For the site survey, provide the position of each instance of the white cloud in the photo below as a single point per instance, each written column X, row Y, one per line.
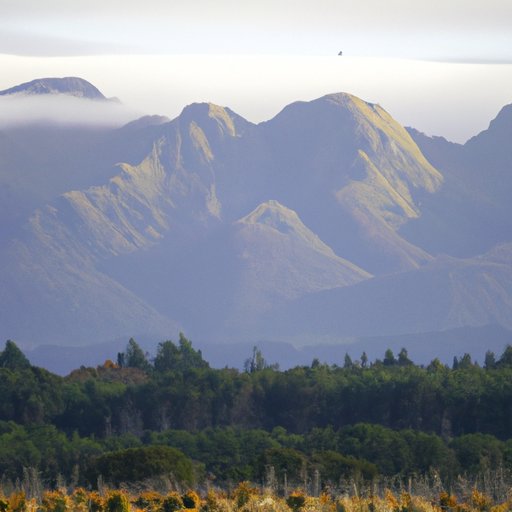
column 62, row 109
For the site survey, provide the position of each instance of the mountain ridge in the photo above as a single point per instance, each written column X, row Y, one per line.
column 472, row 211
column 227, row 229
column 71, row 86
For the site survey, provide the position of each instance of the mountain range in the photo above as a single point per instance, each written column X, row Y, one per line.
column 330, row 222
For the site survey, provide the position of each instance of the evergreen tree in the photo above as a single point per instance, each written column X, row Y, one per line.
column 465, row 362
column 167, row 356
column 134, row 356
column 12, row 357
column 184, row 357
column 490, row 360
column 389, row 358
column 190, row 358
column 506, row 357
column 403, row 358
column 121, row 359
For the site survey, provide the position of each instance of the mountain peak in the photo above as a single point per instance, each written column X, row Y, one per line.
column 281, row 259
column 272, row 215
column 220, row 120
column 71, row 86
column 341, row 101
column 340, row 97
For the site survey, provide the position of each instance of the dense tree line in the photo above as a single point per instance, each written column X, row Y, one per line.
column 231, row 454
column 386, row 417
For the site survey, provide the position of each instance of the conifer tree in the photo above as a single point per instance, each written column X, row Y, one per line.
column 12, row 357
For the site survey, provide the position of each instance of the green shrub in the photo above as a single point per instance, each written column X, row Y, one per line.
column 296, row 500
column 117, row 501
column 190, row 499
column 172, row 502
column 137, row 464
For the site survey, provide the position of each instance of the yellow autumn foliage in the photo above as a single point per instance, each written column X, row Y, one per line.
column 245, row 498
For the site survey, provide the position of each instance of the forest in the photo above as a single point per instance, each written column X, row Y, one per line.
column 136, row 417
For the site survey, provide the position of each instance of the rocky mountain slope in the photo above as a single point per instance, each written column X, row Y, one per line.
column 448, row 293
column 473, row 211
column 326, row 219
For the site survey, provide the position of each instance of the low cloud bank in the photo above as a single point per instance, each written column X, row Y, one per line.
column 63, row 109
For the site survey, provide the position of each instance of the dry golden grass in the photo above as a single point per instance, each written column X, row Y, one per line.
column 244, row 498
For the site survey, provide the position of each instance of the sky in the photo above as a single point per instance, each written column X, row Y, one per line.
column 444, row 67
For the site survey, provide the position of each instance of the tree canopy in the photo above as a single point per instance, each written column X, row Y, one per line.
column 383, row 417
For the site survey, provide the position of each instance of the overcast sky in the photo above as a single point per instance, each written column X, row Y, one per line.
column 468, row 30
column 426, row 62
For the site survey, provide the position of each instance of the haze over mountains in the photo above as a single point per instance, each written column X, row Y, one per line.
column 328, row 222
column 67, row 101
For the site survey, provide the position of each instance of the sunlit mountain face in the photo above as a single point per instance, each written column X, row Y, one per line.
column 330, row 221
